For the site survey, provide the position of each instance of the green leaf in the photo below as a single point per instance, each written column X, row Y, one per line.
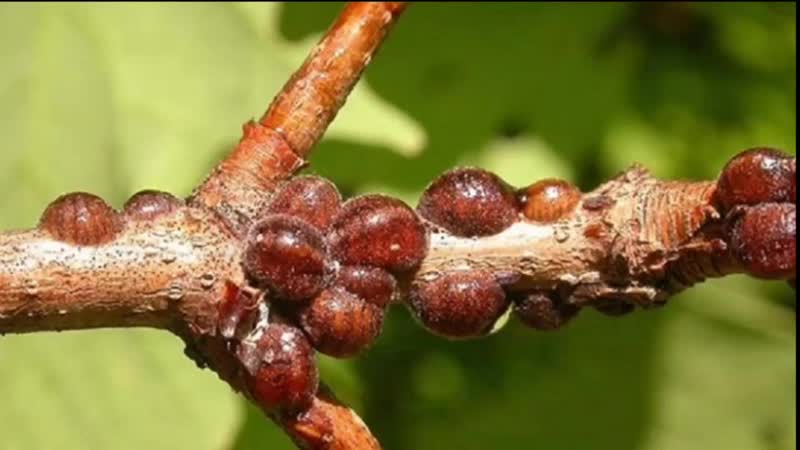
column 122, row 389
column 728, row 365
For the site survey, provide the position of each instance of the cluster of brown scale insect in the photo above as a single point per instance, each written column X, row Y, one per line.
column 322, row 272
column 757, row 190
column 474, row 203
column 85, row 219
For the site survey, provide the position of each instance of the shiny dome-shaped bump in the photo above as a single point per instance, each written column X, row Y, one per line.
column 282, row 370
column 548, row 200
column 340, row 324
column 758, row 175
column 311, row 198
column 288, row 256
column 459, row 305
column 538, row 310
column 149, row 204
column 764, row 240
column 373, row 284
column 82, row 219
column 377, row 230
column 469, row 202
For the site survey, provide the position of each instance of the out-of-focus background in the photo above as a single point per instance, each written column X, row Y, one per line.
column 116, row 98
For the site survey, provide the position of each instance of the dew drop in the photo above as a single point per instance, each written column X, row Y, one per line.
column 160, row 233
column 62, row 311
column 168, row 258
column 561, row 235
column 269, row 357
column 175, row 292
column 31, row 287
column 207, row 280
column 200, row 244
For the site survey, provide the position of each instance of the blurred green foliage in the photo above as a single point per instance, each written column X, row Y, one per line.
column 117, row 98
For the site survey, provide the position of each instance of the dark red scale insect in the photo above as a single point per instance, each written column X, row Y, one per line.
column 459, row 305
column 764, row 240
column 288, row 256
column 82, row 219
column 373, row 284
column 540, row 311
column 548, row 200
column 469, row 202
column 341, row 324
column 377, row 230
column 281, row 370
column 758, row 175
column 311, row 198
column 149, row 204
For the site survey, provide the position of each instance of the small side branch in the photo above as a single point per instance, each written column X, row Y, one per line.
column 273, row 149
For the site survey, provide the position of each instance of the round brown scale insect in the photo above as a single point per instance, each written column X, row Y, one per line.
column 288, row 256
column 758, row 175
column 469, row 202
column 341, row 324
column 313, row 199
column 80, row 218
column 373, row 284
column 283, row 375
column 459, row 305
column 149, row 204
column 764, row 240
column 548, row 200
column 538, row 310
column 381, row 231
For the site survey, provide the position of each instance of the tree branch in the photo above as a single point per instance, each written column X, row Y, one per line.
column 274, row 148
column 634, row 240
column 155, row 273
column 474, row 246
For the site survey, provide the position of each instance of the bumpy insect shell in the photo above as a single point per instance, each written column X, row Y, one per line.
column 548, row 200
column 150, row 204
column 469, row 202
column 340, row 323
column 287, row 255
column 542, row 311
column 459, row 305
column 379, row 231
column 758, row 175
column 284, row 375
column 80, row 218
column 764, row 240
column 311, row 198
